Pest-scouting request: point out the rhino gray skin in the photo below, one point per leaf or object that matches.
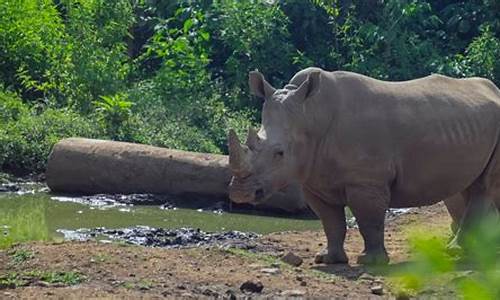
(355, 141)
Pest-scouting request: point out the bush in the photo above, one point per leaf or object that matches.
(481, 58)
(27, 137)
(184, 64)
(433, 265)
(31, 44)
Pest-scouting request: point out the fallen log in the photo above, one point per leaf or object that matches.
(88, 166)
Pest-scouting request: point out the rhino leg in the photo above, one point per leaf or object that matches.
(369, 204)
(334, 224)
(456, 208)
(478, 205)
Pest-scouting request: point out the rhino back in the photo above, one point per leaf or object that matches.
(429, 138)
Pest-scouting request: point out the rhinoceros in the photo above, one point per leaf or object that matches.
(351, 140)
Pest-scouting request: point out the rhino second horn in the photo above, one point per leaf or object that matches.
(236, 152)
(252, 138)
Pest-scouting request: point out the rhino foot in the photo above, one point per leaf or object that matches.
(453, 248)
(373, 258)
(329, 257)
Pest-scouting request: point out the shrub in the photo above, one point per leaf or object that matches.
(25, 141)
(481, 58)
(433, 265)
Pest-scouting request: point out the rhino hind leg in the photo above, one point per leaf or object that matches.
(456, 208)
(368, 205)
(482, 200)
(334, 224)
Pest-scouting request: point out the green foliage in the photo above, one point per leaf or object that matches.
(27, 136)
(73, 67)
(433, 265)
(113, 112)
(481, 58)
(249, 35)
(21, 255)
(31, 43)
(15, 280)
(98, 65)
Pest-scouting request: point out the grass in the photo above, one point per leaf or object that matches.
(100, 258)
(21, 255)
(19, 279)
(23, 223)
(143, 284)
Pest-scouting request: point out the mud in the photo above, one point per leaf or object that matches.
(167, 238)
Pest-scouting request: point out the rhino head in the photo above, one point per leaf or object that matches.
(278, 153)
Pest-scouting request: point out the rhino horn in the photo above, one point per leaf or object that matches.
(236, 153)
(252, 138)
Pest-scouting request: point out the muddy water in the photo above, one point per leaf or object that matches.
(45, 215)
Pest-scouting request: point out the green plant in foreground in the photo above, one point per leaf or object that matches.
(434, 267)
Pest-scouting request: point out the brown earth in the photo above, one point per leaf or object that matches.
(120, 271)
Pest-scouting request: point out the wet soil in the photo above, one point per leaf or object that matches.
(117, 270)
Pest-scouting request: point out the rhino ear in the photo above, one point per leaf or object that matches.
(310, 86)
(259, 86)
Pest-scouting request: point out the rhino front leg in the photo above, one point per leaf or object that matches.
(368, 205)
(334, 224)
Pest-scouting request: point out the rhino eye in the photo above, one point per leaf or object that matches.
(279, 154)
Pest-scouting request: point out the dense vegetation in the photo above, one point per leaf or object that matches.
(174, 73)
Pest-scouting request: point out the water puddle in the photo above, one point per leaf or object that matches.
(40, 215)
(29, 212)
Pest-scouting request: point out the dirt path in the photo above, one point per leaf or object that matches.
(120, 271)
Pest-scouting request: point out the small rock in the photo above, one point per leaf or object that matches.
(255, 266)
(402, 296)
(292, 293)
(303, 283)
(271, 271)
(365, 276)
(252, 287)
(43, 284)
(210, 293)
(292, 259)
(187, 295)
(181, 287)
(299, 278)
(377, 290)
(230, 295)
(7, 286)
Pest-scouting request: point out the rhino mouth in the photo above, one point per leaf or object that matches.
(247, 192)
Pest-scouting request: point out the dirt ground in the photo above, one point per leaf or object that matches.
(121, 271)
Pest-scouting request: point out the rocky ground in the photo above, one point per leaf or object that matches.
(118, 270)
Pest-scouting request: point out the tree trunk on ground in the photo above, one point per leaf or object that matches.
(89, 166)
